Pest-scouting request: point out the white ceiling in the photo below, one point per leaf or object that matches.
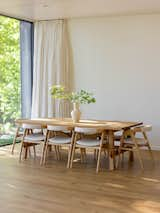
(55, 9)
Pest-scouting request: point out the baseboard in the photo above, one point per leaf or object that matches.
(156, 148)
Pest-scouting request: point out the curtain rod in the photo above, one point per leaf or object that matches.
(51, 19)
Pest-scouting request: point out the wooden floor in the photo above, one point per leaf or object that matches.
(28, 188)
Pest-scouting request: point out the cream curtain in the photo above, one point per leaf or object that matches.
(51, 66)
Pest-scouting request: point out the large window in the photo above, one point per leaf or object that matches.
(16, 70)
(10, 87)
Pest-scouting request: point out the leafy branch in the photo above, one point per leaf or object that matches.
(81, 97)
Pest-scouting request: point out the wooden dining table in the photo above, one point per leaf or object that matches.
(110, 127)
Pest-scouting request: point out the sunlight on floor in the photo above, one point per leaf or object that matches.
(151, 180)
(147, 206)
(115, 185)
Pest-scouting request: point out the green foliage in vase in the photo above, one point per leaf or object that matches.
(9, 70)
(58, 92)
(82, 97)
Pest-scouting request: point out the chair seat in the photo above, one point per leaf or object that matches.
(88, 142)
(59, 140)
(34, 137)
(67, 131)
(86, 131)
(130, 142)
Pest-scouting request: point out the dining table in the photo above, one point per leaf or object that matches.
(110, 127)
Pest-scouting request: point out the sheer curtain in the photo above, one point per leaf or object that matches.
(51, 66)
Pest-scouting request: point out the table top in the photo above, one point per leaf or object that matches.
(98, 124)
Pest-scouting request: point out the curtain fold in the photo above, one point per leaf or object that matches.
(51, 66)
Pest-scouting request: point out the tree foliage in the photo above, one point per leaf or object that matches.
(9, 70)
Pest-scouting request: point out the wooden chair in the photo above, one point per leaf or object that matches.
(133, 143)
(83, 141)
(57, 136)
(31, 138)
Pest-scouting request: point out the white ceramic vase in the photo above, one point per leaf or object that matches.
(75, 114)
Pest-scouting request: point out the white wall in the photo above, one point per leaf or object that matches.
(118, 59)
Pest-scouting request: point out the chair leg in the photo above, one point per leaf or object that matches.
(69, 156)
(99, 151)
(95, 153)
(137, 150)
(98, 161)
(70, 150)
(59, 153)
(148, 145)
(85, 155)
(72, 157)
(29, 152)
(45, 153)
(105, 153)
(34, 149)
(120, 150)
(122, 157)
(13, 145)
(73, 151)
(139, 157)
(55, 149)
(20, 154)
(22, 145)
(82, 158)
(42, 157)
(50, 148)
(131, 156)
(151, 153)
(45, 147)
(26, 152)
(119, 156)
(14, 141)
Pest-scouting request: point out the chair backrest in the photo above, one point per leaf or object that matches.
(86, 131)
(146, 128)
(31, 126)
(57, 128)
(143, 128)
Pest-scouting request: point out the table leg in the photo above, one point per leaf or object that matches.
(111, 150)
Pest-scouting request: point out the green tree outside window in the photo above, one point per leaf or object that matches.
(9, 72)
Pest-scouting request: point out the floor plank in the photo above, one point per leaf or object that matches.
(28, 187)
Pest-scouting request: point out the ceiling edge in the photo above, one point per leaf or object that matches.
(21, 18)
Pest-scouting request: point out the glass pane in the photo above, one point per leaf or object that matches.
(9, 75)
